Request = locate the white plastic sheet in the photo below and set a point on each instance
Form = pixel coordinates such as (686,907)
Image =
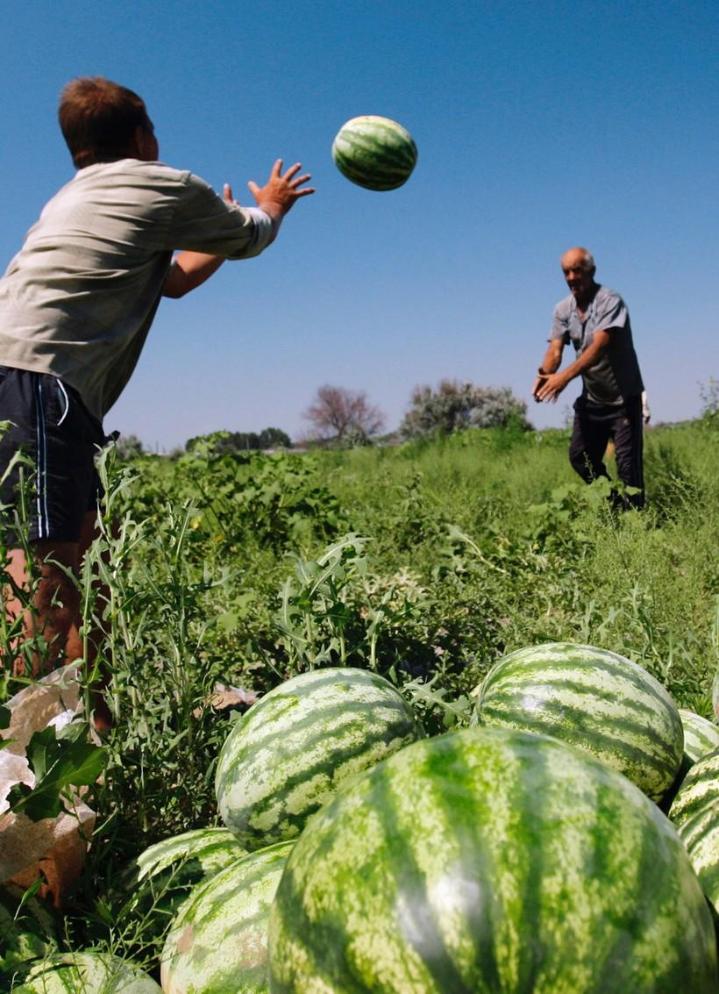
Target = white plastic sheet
(55,845)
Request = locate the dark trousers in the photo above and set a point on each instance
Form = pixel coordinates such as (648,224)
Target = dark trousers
(593,428)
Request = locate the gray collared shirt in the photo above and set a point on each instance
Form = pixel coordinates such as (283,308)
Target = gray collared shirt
(78,300)
(616,377)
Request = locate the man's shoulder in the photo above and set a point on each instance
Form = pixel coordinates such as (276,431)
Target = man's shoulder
(133,168)
(605,295)
(564,307)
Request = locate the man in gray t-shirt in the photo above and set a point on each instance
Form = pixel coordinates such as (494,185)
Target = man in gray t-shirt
(595,320)
(76,304)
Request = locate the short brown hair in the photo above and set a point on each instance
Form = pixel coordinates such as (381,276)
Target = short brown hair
(98,119)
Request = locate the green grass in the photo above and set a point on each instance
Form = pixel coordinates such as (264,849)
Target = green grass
(425,561)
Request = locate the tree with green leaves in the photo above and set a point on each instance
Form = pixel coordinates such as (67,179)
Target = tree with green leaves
(454,406)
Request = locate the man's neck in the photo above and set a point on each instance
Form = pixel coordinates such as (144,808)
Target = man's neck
(584,300)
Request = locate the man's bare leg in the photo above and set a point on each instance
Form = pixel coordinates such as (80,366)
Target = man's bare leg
(55,613)
(56,607)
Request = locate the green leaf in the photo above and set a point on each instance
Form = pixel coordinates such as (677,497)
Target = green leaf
(35,803)
(5,716)
(39,751)
(58,763)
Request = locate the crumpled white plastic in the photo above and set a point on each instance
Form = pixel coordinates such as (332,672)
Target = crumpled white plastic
(53,700)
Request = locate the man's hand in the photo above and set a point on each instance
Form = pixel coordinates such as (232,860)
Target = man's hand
(549,387)
(539,381)
(279,193)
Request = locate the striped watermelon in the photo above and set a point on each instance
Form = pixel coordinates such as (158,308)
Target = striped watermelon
(695,813)
(218,942)
(155,884)
(490,861)
(289,753)
(700,735)
(374,152)
(87,973)
(594,700)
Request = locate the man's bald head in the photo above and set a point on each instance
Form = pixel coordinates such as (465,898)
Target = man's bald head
(578,268)
(578,258)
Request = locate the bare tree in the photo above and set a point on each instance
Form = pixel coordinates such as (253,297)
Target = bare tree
(339,413)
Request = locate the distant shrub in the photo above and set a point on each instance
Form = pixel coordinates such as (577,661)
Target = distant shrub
(129,447)
(454,406)
(221,443)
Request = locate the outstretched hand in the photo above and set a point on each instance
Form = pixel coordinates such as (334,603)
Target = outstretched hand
(280,192)
(549,387)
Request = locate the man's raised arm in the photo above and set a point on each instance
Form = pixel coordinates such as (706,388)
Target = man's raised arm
(275,199)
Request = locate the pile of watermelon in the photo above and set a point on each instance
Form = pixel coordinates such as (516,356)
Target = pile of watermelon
(529,853)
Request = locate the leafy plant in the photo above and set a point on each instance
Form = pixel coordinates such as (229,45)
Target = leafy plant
(454,405)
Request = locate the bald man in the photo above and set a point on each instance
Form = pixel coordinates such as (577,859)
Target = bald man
(596,322)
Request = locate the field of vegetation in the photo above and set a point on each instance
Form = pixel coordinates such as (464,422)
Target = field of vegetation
(425,562)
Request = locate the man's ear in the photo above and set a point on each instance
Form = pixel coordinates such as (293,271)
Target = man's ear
(136,144)
(143,144)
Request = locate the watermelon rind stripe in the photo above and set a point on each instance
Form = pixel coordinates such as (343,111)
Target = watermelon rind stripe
(218,942)
(593,699)
(292,749)
(489,860)
(701,736)
(87,973)
(695,813)
(210,845)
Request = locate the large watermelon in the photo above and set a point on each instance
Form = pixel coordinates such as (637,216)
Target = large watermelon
(598,701)
(155,884)
(289,753)
(695,813)
(374,152)
(87,973)
(218,942)
(701,736)
(490,861)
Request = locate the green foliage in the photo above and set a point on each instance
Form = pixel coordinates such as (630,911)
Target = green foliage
(454,406)
(129,447)
(710,403)
(425,562)
(59,760)
(228,442)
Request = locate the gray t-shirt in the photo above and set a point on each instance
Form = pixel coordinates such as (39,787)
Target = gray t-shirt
(78,300)
(615,378)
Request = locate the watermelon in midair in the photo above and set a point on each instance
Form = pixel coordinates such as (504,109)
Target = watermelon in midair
(374,152)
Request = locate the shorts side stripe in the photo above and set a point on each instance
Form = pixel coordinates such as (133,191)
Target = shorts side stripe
(67,403)
(43,521)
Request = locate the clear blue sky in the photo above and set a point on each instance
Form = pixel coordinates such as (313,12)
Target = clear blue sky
(539,126)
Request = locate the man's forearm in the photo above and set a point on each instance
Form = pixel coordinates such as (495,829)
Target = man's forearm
(189,270)
(550,384)
(590,357)
(552,359)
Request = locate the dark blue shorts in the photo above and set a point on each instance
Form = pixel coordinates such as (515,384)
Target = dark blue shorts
(61,439)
